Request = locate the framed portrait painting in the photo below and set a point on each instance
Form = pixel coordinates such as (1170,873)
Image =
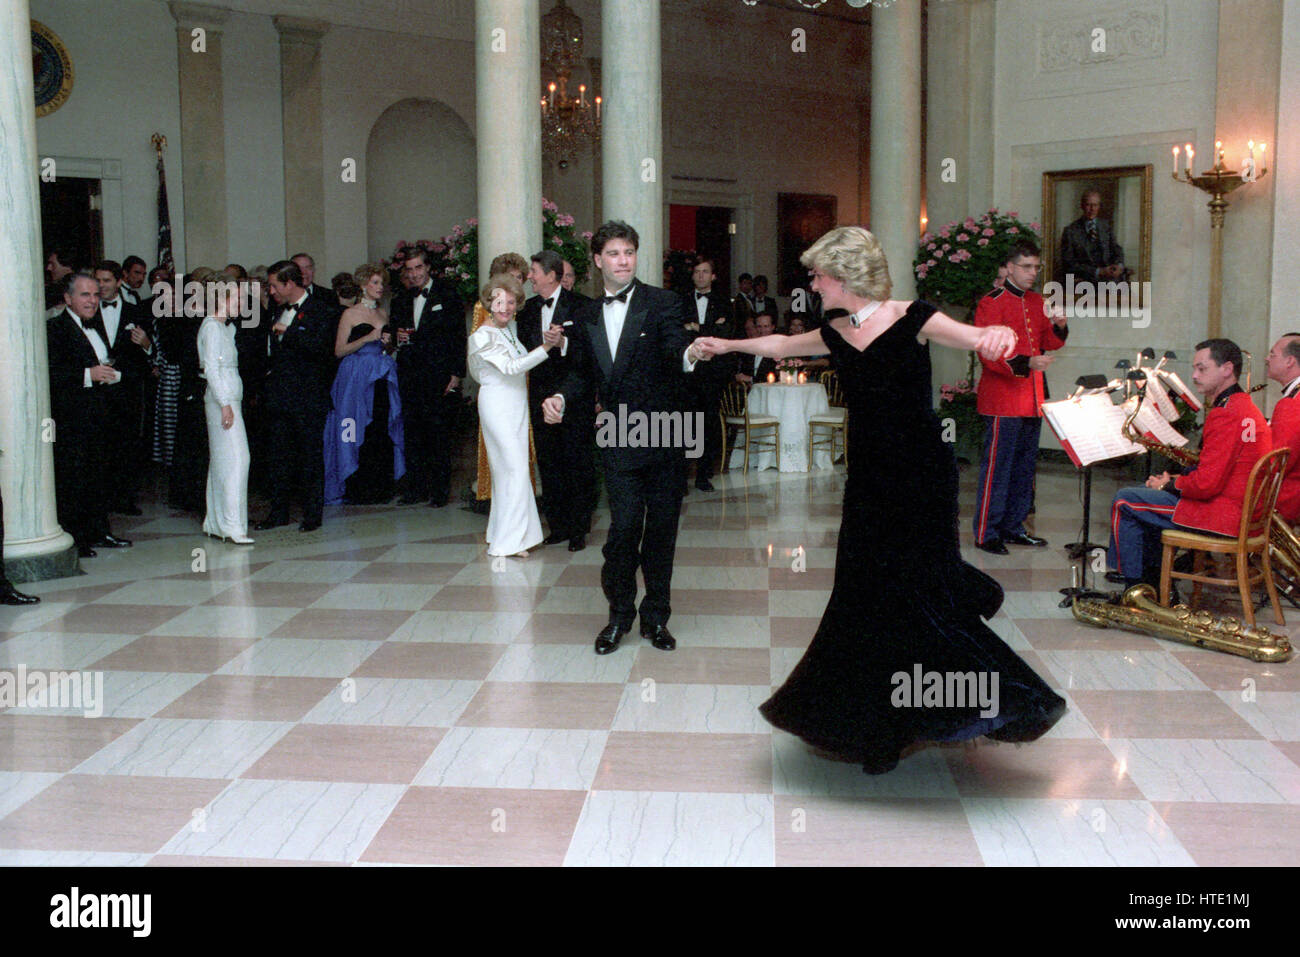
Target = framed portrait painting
(1097,226)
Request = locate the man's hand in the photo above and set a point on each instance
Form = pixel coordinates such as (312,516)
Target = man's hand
(1159,481)
(227,417)
(742,377)
(1056,314)
(403,336)
(141,338)
(452,385)
(697,354)
(279,328)
(552,336)
(995,342)
(102,374)
(553,410)
(1039,363)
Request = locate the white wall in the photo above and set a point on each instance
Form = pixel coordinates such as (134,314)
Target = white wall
(125,89)
(1286,187)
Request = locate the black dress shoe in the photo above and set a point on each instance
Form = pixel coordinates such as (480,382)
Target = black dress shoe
(410,500)
(12,596)
(271,521)
(993,546)
(437,502)
(577,543)
(609,638)
(704,485)
(85,551)
(1025,539)
(309,526)
(660,637)
(555,538)
(1115,578)
(108,541)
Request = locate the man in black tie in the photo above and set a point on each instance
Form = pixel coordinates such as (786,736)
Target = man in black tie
(564,450)
(131,345)
(708,313)
(80,378)
(1088,248)
(762,302)
(134,271)
(307,266)
(632,349)
(750,369)
(430,321)
(299,372)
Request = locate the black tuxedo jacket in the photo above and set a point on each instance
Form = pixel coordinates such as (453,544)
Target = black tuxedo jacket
(548,378)
(436,350)
(645,377)
(1083,258)
(744,362)
(129,359)
(300,367)
(77,410)
(719,321)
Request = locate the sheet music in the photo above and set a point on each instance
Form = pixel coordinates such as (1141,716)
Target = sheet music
(1091,427)
(1152,424)
(1157,395)
(1180,387)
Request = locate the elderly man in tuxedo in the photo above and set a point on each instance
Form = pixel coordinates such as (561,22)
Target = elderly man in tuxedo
(81,378)
(563,450)
(1088,247)
(632,350)
(299,372)
(431,341)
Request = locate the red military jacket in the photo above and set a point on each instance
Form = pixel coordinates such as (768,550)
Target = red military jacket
(1009,386)
(1235,437)
(1286,432)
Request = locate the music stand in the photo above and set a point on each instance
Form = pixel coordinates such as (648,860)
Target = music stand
(1081,550)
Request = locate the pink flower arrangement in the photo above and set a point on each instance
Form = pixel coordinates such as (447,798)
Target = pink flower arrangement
(958,263)
(984,242)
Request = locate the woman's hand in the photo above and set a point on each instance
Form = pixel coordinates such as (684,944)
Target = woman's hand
(712,346)
(996,342)
(227,417)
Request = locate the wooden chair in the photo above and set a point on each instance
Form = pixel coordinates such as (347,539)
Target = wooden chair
(762,432)
(829,429)
(1252,539)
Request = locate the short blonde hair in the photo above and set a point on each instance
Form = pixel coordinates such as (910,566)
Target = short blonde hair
(366,270)
(203,274)
(502,281)
(508,262)
(852,255)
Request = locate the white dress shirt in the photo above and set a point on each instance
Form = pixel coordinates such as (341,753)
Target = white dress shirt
(96,343)
(1291,388)
(286,318)
(701,306)
(548,315)
(417,307)
(112,314)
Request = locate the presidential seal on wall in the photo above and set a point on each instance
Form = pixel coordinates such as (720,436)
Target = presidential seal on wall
(52,69)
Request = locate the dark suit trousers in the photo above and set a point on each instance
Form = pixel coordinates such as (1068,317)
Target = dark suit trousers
(124,439)
(708,399)
(565,463)
(644,507)
(80,483)
(296,442)
(430,432)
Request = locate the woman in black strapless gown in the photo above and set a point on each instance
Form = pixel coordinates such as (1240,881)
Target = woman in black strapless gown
(904,603)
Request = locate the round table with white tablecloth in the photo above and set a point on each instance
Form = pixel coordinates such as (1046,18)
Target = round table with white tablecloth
(792,405)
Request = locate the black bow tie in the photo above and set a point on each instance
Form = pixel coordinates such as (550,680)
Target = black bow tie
(110,305)
(621,297)
(547,303)
(292,307)
(701,295)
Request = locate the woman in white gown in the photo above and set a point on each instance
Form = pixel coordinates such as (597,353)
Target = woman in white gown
(228,458)
(500,364)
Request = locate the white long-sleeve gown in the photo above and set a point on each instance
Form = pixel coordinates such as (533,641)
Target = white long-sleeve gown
(228,457)
(499,364)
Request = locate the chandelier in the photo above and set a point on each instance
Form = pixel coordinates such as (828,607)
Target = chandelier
(569,123)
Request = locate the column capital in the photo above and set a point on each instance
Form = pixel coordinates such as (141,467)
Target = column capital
(189,15)
(300,29)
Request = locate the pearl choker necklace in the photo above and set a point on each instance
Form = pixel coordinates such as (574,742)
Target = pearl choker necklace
(857,320)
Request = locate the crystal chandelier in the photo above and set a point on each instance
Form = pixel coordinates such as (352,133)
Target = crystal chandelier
(569,123)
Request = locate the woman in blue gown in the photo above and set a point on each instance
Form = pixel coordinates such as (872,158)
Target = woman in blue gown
(904,605)
(363,434)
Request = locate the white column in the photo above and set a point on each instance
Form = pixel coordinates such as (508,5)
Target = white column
(35,546)
(507,66)
(896,137)
(300,106)
(632,127)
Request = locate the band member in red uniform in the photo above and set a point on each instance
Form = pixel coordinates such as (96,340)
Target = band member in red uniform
(1284,369)
(1209,497)
(1008,397)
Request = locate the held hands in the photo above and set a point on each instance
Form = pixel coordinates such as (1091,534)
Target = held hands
(710,346)
(995,342)
(552,336)
(698,354)
(553,410)
(227,417)
(1040,363)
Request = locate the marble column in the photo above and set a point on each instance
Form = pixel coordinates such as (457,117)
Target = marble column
(632,127)
(300,104)
(35,547)
(896,138)
(507,59)
(203,133)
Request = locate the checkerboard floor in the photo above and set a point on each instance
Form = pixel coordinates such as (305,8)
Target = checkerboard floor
(379,693)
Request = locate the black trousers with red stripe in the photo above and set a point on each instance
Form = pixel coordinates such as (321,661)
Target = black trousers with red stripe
(1006,490)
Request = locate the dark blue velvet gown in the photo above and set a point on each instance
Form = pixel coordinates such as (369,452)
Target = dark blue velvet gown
(366,383)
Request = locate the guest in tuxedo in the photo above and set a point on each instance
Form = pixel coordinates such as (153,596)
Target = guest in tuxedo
(130,333)
(1088,247)
(1284,369)
(134,272)
(430,322)
(189,463)
(762,301)
(299,370)
(709,313)
(60,263)
(9,595)
(570,277)
(743,305)
(795,325)
(631,349)
(750,369)
(250,343)
(307,266)
(564,450)
(80,377)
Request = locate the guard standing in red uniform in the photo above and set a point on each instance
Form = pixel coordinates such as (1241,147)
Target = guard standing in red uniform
(1008,397)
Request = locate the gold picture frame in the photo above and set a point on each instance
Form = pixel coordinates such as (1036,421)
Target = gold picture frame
(1125,205)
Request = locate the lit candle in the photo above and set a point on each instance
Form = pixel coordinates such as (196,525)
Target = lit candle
(1262,164)
(543,104)
(771,377)
(1218,152)
(1191,154)
(582,95)
(597,109)
(1175,160)
(552,89)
